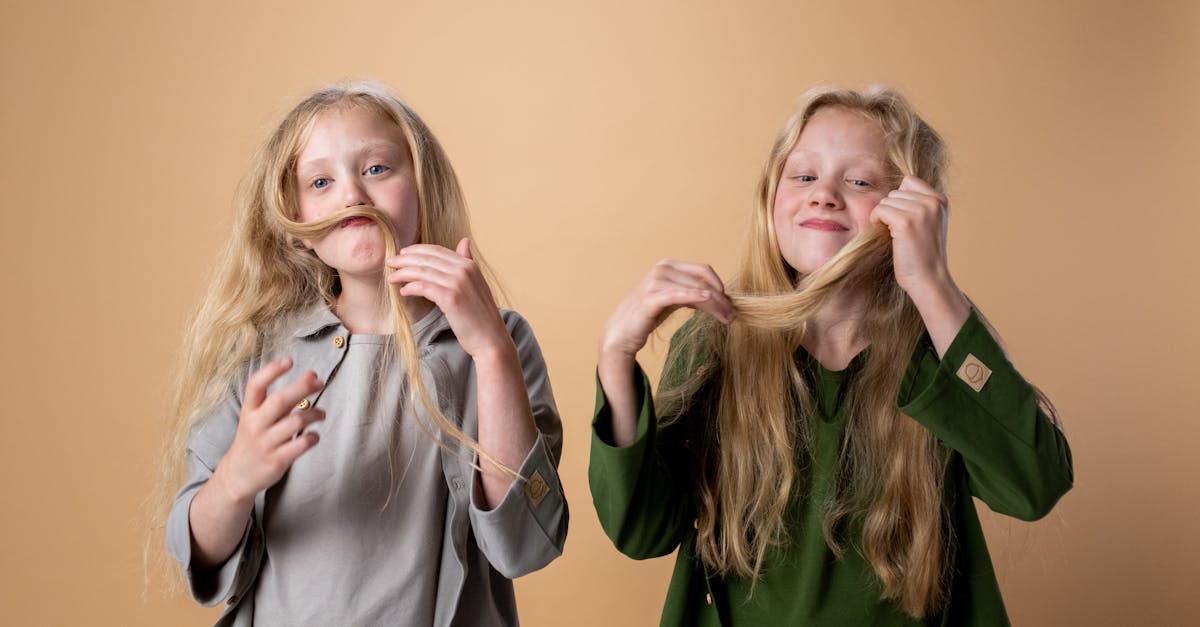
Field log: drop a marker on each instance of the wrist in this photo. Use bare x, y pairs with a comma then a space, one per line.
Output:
616, 347
938, 290
227, 488
498, 353
613, 367
613, 354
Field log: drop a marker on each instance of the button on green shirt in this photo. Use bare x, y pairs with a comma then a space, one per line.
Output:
1000, 447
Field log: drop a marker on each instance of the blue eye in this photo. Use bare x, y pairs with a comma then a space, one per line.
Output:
320, 183
859, 183
377, 169
805, 178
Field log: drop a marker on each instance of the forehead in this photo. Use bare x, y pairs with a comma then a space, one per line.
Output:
838, 132
349, 127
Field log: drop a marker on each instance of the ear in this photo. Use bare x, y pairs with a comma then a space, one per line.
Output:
307, 243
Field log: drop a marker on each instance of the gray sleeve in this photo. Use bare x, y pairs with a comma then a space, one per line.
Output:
209, 440
527, 530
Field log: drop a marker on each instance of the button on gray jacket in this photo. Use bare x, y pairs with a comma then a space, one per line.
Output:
481, 550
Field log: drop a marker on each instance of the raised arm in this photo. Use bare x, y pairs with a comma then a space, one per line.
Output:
453, 281
668, 286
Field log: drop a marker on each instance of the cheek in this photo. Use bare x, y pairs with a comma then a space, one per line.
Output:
784, 207
860, 213
306, 212
408, 216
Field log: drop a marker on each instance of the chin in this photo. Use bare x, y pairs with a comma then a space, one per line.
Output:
806, 264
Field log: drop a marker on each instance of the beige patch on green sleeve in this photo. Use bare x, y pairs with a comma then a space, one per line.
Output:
974, 373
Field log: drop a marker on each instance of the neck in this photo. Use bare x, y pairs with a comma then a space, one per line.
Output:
364, 307
833, 335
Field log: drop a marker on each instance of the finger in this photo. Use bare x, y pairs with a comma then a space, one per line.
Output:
257, 384
426, 249
417, 274
422, 289
281, 401
724, 312
719, 305
912, 183
442, 258
417, 252
914, 197
695, 275
289, 451
665, 301
916, 203
704, 272
464, 247
448, 298
886, 215
291, 426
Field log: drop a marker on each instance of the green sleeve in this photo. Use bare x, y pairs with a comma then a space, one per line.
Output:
642, 492
1017, 460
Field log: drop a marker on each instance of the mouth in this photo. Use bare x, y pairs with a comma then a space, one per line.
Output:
817, 224
354, 221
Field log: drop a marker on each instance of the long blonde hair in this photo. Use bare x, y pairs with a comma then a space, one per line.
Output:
889, 474
265, 275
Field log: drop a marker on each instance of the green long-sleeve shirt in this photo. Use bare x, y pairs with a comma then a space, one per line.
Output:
1001, 448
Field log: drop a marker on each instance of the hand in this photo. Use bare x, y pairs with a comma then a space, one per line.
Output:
669, 285
270, 434
916, 216
452, 280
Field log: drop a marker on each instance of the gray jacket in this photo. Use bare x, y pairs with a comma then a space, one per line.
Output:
481, 550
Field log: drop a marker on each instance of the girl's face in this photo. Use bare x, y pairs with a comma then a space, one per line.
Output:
355, 156
831, 182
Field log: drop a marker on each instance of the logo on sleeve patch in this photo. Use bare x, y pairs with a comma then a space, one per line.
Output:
974, 373
536, 488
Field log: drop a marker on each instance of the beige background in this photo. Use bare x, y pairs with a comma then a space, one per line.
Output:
593, 140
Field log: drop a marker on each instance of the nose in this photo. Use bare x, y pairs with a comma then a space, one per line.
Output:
355, 195
825, 195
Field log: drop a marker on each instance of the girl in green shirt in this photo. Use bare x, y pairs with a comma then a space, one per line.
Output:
824, 419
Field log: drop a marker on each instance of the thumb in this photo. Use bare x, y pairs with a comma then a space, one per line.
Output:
464, 247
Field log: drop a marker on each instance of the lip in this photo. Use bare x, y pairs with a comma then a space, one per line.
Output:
819, 224
354, 221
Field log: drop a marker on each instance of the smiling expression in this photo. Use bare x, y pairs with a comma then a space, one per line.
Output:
835, 175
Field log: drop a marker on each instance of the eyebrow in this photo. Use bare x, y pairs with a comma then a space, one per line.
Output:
370, 146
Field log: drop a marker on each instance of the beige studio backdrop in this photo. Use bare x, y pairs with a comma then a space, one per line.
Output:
593, 139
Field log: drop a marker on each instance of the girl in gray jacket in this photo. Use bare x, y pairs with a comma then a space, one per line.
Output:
361, 435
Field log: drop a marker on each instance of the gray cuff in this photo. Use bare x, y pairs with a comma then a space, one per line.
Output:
208, 586
528, 528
